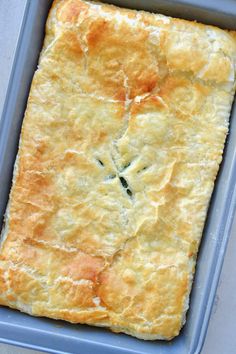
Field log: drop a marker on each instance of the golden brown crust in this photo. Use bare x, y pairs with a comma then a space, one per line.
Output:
120, 146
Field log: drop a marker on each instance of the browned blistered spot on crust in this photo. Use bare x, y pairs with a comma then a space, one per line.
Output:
95, 317
97, 31
101, 137
84, 267
25, 287
73, 158
76, 295
71, 45
150, 104
75, 264
119, 56
69, 11
3, 287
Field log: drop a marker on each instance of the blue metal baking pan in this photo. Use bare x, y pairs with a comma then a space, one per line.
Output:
60, 337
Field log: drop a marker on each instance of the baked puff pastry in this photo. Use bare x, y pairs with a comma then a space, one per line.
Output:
121, 142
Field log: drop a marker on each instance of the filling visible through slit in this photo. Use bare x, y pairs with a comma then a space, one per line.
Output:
110, 177
100, 162
125, 185
126, 166
142, 169
123, 181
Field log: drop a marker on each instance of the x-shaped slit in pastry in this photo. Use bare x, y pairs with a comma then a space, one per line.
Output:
123, 181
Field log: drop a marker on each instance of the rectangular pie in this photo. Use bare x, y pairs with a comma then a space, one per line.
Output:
121, 143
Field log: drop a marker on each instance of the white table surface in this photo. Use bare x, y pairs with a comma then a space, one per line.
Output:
221, 335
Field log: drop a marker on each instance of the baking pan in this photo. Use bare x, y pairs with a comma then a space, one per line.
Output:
61, 337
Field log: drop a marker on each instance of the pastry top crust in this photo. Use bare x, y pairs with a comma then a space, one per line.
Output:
120, 146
